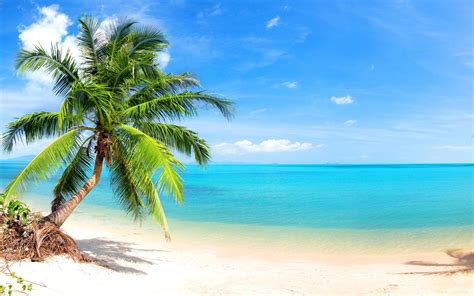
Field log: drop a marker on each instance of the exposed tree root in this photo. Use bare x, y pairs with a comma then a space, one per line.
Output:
37, 241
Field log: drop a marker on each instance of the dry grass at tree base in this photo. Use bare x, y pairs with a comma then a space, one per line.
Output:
36, 240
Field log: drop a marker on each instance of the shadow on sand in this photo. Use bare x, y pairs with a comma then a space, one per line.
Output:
463, 263
107, 253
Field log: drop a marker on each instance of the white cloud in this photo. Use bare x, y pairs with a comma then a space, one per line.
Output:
350, 122
303, 33
264, 57
163, 59
107, 23
216, 10
258, 111
342, 100
270, 145
455, 147
38, 80
213, 11
290, 84
50, 28
273, 22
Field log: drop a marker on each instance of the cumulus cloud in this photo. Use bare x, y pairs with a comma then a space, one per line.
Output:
107, 23
50, 28
273, 22
163, 59
350, 122
342, 100
270, 145
290, 84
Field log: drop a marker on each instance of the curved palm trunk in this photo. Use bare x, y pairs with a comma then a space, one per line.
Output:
60, 215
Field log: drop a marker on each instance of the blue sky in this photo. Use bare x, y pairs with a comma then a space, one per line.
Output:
313, 81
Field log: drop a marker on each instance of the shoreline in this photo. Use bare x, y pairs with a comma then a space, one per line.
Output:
144, 264
275, 243
207, 258
263, 250
284, 244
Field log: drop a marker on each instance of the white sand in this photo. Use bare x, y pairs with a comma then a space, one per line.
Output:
146, 265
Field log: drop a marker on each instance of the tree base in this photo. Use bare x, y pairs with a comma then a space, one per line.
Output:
37, 241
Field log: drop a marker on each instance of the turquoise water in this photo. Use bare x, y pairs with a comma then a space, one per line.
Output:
362, 197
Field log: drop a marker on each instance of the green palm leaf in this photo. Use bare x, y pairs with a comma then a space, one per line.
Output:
126, 188
30, 128
45, 164
59, 64
133, 185
146, 39
116, 92
85, 98
179, 138
73, 177
118, 32
92, 43
177, 106
149, 89
155, 157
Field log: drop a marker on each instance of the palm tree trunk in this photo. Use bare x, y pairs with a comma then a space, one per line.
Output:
60, 215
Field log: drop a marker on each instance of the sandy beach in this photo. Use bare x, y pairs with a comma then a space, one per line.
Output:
144, 264
236, 148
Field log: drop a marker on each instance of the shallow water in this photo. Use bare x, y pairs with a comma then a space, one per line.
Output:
322, 206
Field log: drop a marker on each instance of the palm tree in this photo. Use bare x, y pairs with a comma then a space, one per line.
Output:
116, 109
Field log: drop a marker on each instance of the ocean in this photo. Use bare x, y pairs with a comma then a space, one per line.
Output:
384, 202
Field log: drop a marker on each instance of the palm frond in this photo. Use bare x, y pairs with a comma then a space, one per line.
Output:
124, 186
155, 157
115, 91
73, 178
133, 185
118, 33
148, 89
178, 137
178, 106
120, 69
46, 163
85, 98
92, 43
30, 128
182, 81
59, 64
146, 39
72, 110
